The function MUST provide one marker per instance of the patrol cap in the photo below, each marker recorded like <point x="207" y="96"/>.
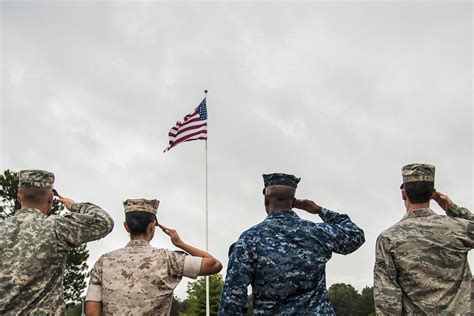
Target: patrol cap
<point x="418" y="172"/>
<point x="280" y="179"/>
<point x="141" y="205"/>
<point x="40" y="179"/>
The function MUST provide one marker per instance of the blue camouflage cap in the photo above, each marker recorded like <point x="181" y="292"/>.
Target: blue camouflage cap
<point x="280" y="179"/>
<point x="40" y="179"/>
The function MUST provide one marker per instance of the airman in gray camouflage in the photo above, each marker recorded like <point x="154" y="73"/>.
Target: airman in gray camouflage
<point x="139" y="279"/>
<point x="421" y="263"/>
<point x="33" y="246"/>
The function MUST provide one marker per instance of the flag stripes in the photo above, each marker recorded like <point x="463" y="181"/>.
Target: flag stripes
<point x="192" y="127"/>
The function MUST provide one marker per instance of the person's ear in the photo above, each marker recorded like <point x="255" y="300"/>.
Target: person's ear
<point x="404" y="195"/>
<point x="51" y="198"/>
<point x="126" y="227"/>
<point x="151" y="226"/>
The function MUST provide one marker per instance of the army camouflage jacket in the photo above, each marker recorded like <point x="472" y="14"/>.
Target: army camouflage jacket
<point x="284" y="258"/>
<point x="33" y="250"/>
<point x="421" y="264"/>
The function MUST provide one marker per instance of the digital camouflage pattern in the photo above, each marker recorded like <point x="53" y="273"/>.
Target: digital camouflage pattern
<point x="418" y="172"/>
<point x="139" y="279"/>
<point x="36" y="179"/>
<point x="33" y="250"/>
<point x="421" y="264"/>
<point x="141" y="205"/>
<point x="284" y="259"/>
<point x="280" y="179"/>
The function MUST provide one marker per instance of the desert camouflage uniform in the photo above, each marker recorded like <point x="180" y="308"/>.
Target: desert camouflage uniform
<point x="421" y="264"/>
<point x="139" y="279"/>
<point x="33" y="250"/>
<point x="284" y="259"/>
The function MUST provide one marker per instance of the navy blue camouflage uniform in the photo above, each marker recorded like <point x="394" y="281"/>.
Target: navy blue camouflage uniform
<point x="284" y="259"/>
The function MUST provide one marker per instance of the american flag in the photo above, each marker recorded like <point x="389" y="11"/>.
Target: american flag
<point x="192" y="127"/>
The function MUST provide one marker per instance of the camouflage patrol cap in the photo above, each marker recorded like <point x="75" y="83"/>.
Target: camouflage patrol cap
<point x="418" y="172"/>
<point x="280" y="179"/>
<point x="40" y="179"/>
<point x="141" y="205"/>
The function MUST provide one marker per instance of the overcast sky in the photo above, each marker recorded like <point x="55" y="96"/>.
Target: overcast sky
<point x="341" y="94"/>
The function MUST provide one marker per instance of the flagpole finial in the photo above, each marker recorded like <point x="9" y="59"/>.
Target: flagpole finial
<point x="205" y="91"/>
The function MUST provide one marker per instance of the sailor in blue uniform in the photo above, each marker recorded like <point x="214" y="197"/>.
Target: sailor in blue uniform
<point x="284" y="257"/>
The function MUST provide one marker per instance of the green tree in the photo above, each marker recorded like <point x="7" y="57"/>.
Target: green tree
<point x="179" y="307"/>
<point x="196" y="295"/>
<point x="347" y="301"/>
<point x="343" y="298"/>
<point x="366" y="302"/>
<point x="76" y="259"/>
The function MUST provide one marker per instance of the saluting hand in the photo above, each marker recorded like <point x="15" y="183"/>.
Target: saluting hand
<point x="443" y="200"/>
<point x="175" y="239"/>
<point x="68" y="203"/>
<point x="307" y="205"/>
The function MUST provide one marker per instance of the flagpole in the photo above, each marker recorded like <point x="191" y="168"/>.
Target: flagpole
<point x="207" y="229"/>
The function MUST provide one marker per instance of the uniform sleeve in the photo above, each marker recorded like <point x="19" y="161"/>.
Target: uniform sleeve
<point x="459" y="211"/>
<point x="86" y="222"/>
<point x="192" y="266"/>
<point x="344" y="236"/>
<point x="94" y="291"/>
<point x="387" y="292"/>
<point x="462" y="212"/>
<point x="176" y="264"/>
<point x="240" y="273"/>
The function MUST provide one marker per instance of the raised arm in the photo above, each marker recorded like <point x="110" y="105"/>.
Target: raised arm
<point x="209" y="264"/>
<point x="85" y="222"/>
<point x="345" y="236"/>
<point x="450" y="207"/>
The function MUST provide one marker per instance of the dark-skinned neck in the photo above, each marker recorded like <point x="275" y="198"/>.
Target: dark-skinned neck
<point x="283" y="210"/>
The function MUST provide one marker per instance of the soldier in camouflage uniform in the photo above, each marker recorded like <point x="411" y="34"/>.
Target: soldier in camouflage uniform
<point x="421" y="263"/>
<point x="139" y="279"/>
<point x="33" y="246"/>
<point x="284" y="257"/>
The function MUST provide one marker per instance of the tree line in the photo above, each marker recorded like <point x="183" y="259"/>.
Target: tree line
<point x="345" y="299"/>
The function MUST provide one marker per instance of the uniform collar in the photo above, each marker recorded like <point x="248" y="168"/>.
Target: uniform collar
<point x="137" y="243"/>
<point x="282" y="214"/>
<point x="29" y="210"/>
<point x="421" y="212"/>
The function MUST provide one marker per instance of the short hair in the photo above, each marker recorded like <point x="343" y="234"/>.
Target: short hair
<point x="138" y="221"/>
<point x="280" y="192"/>
<point x="34" y="195"/>
<point x="419" y="191"/>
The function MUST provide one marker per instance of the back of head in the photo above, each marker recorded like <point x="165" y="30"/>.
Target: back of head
<point x="418" y="182"/>
<point x="35" y="188"/>
<point x="419" y="192"/>
<point x="34" y="196"/>
<point x="137" y="222"/>
<point x="279" y="191"/>
<point x="139" y="213"/>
